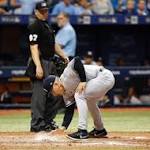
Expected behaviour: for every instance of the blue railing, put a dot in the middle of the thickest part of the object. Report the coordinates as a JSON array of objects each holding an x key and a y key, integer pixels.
[
  {"x": 122, "y": 75},
  {"x": 81, "y": 20},
  {"x": 7, "y": 72}
]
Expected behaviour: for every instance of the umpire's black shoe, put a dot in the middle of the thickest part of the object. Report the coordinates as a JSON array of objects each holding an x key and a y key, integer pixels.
[
  {"x": 34, "y": 130},
  {"x": 98, "y": 133},
  {"x": 37, "y": 130},
  {"x": 80, "y": 134},
  {"x": 51, "y": 126},
  {"x": 48, "y": 128}
]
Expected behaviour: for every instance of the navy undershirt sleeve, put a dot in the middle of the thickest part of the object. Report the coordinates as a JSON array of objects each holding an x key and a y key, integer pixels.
[
  {"x": 79, "y": 68},
  {"x": 69, "y": 112}
]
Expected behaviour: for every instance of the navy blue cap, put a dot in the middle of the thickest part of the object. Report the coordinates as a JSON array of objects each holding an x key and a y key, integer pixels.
[
  {"x": 48, "y": 83},
  {"x": 89, "y": 54},
  {"x": 41, "y": 5}
]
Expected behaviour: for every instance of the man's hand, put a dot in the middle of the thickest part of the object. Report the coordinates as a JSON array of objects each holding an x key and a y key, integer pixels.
[
  {"x": 59, "y": 131},
  {"x": 39, "y": 72},
  {"x": 36, "y": 59},
  {"x": 61, "y": 53},
  {"x": 81, "y": 87},
  {"x": 66, "y": 60}
]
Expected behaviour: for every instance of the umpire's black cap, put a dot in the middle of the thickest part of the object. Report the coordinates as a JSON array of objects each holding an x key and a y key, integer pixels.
[
  {"x": 48, "y": 83},
  {"x": 41, "y": 5}
]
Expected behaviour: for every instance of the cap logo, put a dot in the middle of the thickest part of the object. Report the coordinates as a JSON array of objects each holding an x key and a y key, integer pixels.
[
  {"x": 45, "y": 90},
  {"x": 43, "y": 4},
  {"x": 89, "y": 53}
]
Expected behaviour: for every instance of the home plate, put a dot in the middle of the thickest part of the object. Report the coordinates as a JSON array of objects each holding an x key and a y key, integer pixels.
[{"x": 45, "y": 137}]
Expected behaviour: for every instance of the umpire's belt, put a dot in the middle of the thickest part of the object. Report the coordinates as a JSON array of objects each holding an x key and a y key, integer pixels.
[{"x": 49, "y": 59}]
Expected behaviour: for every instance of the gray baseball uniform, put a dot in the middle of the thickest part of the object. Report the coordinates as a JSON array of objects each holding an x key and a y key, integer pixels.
[{"x": 99, "y": 82}]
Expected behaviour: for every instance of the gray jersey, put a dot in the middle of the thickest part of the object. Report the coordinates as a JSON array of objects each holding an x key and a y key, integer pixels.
[
  {"x": 99, "y": 82},
  {"x": 70, "y": 80}
]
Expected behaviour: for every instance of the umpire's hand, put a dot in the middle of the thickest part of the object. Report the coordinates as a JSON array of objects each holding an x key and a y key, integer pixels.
[
  {"x": 66, "y": 60},
  {"x": 39, "y": 72}
]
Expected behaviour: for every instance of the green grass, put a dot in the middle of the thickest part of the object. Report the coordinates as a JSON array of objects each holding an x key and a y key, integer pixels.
[{"x": 123, "y": 121}]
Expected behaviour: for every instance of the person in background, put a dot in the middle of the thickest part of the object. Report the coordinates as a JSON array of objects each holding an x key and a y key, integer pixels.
[
  {"x": 146, "y": 62},
  {"x": 88, "y": 59},
  {"x": 63, "y": 6},
  {"x": 51, "y": 4},
  {"x": 5, "y": 6},
  {"x": 2, "y": 11},
  {"x": 66, "y": 36},
  {"x": 114, "y": 3},
  {"x": 6, "y": 96},
  {"x": 83, "y": 7},
  {"x": 120, "y": 62},
  {"x": 102, "y": 7},
  {"x": 121, "y": 6},
  {"x": 148, "y": 6},
  {"x": 26, "y": 6},
  {"x": 130, "y": 8},
  {"x": 3, "y": 2},
  {"x": 142, "y": 10},
  {"x": 99, "y": 61}
]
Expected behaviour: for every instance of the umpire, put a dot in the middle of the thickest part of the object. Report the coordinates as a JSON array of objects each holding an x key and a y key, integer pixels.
[{"x": 43, "y": 48}]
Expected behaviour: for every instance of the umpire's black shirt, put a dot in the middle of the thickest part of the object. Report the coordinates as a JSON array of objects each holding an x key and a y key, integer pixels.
[{"x": 42, "y": 34}]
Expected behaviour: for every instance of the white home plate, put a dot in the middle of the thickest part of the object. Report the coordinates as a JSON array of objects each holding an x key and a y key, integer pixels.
[{"x": 45, "y": 137}]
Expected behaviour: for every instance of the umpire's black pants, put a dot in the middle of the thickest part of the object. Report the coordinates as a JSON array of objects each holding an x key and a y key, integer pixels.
[{"x": 42, "y": 106}]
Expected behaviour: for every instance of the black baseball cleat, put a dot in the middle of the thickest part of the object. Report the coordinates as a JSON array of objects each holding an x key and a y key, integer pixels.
[
  {"x": 98, "y": 133},
  {"x": 80, "y": 134}
]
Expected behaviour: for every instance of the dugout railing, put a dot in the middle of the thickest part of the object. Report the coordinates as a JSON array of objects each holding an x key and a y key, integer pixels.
[{"x": 13, "y": 81}]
